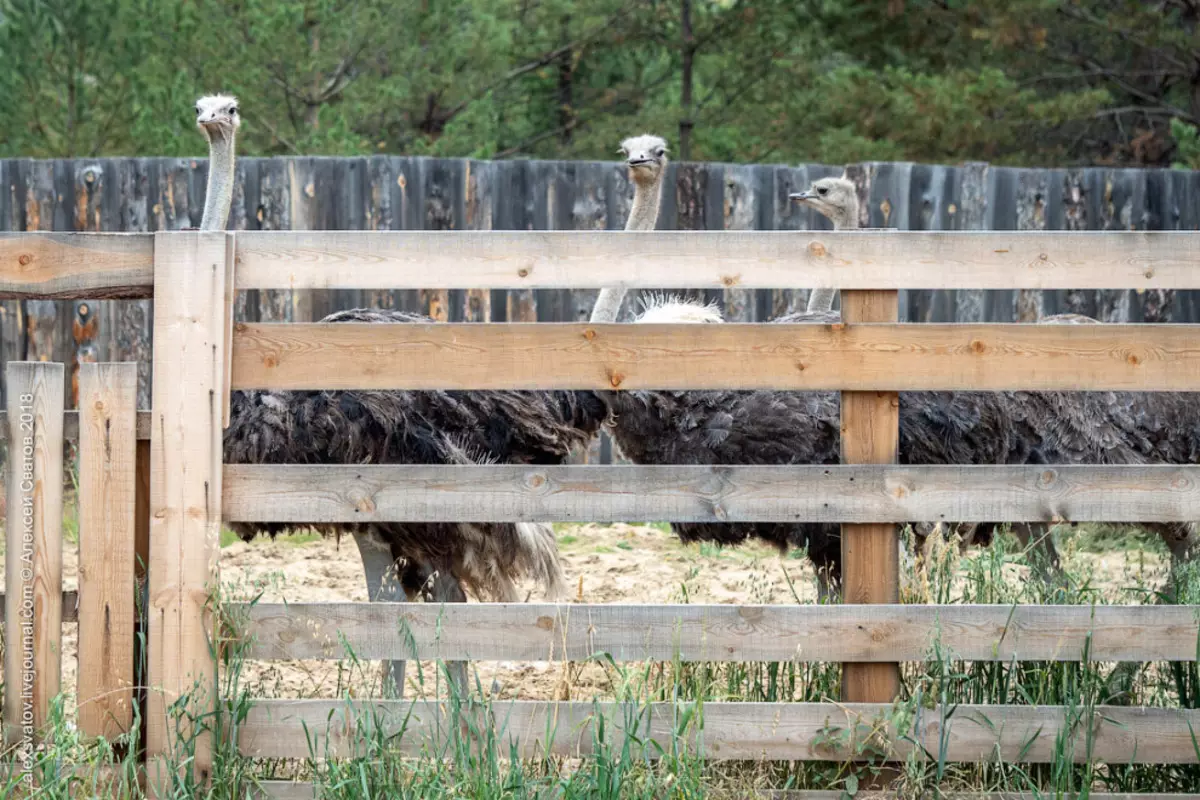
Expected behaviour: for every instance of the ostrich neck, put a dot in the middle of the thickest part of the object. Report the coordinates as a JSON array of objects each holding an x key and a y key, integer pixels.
[
  {"x": 821, "y": 300},
  {"x": 643, "y": 216},
  {"x": 219, "y": 196}
]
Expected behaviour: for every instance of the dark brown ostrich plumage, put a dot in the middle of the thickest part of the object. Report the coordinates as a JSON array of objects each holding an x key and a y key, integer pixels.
[{"x": 434, "y": 427}]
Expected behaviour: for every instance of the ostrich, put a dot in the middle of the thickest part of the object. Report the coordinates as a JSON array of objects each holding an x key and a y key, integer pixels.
[
  {"x": 715, "y": 427},
  {"x": 778, "y": 427},
  {"x": 1038, "y": 427},
  {"x": 217, "y": 118},
  {"x": 401, "y": 561}
]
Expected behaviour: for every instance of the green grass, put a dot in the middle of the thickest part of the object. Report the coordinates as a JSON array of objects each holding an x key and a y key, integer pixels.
[{"x": 469, "y": 761}]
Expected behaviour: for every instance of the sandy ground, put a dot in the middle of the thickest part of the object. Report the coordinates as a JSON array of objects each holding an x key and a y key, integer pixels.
[{"x": 604, "y": 564}]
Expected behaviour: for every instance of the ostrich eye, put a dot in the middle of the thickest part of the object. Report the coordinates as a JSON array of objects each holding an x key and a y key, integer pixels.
[
  {"x": 658, "y": 152},
  {"x": 233, "y": 111},
  {"x": 823, "y": 191},
  {"x": 197, "y": 111}
]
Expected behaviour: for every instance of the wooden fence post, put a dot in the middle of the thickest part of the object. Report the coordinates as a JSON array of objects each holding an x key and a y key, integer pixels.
[
  {"x": 185, "y": 497},
  {"x": 870, "y": 556},
  {"x": 33, "y": 556},
  {"x": 107, "y": 486}
]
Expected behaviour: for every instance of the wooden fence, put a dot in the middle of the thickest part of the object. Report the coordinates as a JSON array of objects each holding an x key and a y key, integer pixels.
[
  {"x": 201, "y": 354},
  {"x": 399, "y": 193}
]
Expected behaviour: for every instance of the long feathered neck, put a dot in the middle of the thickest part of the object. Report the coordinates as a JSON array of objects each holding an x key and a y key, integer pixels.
[
  {"x": 219, "y": 196},
  {"x": 643, "y": 216},
  {"x": 821, "y": 300}
]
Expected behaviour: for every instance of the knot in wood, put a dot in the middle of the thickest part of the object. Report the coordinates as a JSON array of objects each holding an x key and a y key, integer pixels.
[
  {"x": 615, "y": 379},
  {"x": 99, "y": 406},
  {"x": 523, "y": 272},
  {"x": 589, "y": 334},
  {"x": 24, "y": 259},
  {"x": 800, "y": 365},
  {"x": 1043, "y": 257},
  {"x": 89, "y": 176},
  {"x": 270, "y": 361},
  {"x": 1149, "y": 273},
  {"x": 731, "y": 280},
  {"x": 1134, "y": 359},
  {"x": 977, "y": 346},
  {"x": 1047, "y": 478},
  {"x": 545, "y": 623},
  {"x": 83, "y": 309},
  {"x": 536, "y": 480},
  {"x": 816, "y": 249},
  {"x": 400, "y": 181},
  {"x": 751, "y": 613},
  {"x": 364, "y": 505}
]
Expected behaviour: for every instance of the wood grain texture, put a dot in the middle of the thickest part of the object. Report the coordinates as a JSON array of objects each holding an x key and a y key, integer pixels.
[
  {"x": 185, "y": 489},
  {"x": 870, "y": 553},
  {"x": 718, "y": 259},
  {"x": 867, "y": 357},
  {"x": 824, "y": 633},
  {"x": 691, "y": 493},
  {"x": 71, "y": 425},
  {"x": 70, "y": 605},
  {"x": 737, "y": 731},
  {"x": 75, "y": 266},
  {"x": 33, "y": 552},
  {"x": 107, "y": 490}
]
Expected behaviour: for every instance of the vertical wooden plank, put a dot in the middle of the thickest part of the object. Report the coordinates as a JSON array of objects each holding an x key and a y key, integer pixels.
[
  {"x": 788, "y": 216},
  {"x": 740, "y": 209},
  {"x": 107, "y": 490},
  {"x": 33, "y": 552},
  {"x": 185, "y": 490},
  {"x": 302, "y": 193},
  {"x": 1031, "y": 195},
  {"x": 273, "y": 214},
  {"x": 870, "y": 553},
  {"x": 478, "y": 206},
  {"x": 887, "y": 203},
  {"x": 87, "y": 327},
  {"x": 999, "y": 305},
  {"x": 133, "y": 319},
  {"x": 552, "y": 212},
  {"x": 407, "y": 204},
  {"x": 1156, "y": 303},
  {"x": 46, "y": 330},
  {"x": 515, "y": 214},
  {"x": 12, "y": 316},
  {"x": 381, "y": 208},
  {"x": 972, "y": 213}
]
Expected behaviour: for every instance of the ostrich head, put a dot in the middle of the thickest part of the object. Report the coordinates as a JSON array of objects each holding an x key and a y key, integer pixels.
[
  {"x": 646, "y": 156},
  {"x": 834, "y": 198},
  {"x": 217, "y": 117}
]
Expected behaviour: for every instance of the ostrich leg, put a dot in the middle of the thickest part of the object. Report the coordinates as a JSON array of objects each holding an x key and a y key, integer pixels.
[
  {"x": 1038, "y": 544},
  {"x": 445, "y": 588},
  {"x": 383, "y": 586}
]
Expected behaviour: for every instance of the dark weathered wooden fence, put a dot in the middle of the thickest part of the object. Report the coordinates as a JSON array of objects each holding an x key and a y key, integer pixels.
[{"x": 393, "y": 193}]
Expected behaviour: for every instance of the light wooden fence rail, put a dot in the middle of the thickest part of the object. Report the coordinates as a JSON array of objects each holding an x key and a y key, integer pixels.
[{"x": 200, "y": 356}]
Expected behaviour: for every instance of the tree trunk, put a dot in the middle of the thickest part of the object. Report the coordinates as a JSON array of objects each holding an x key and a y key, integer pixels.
[{"x": 688, "y": 50}]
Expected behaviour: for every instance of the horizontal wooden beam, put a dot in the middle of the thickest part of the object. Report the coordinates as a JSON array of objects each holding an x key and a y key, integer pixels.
[
  {"x": 76, "y": 266},
  {"x": 875, "y": 357},
  {"x": 70, "y": 604},
  {"x": 303, "y": 790},
  {"x": 71, "y": 425},
  {"x": 630, "y": 493},
  {"x": 823, "y": 633},
  {"x": 736, "y": 731},
  {"x": 877, "y": 259}
]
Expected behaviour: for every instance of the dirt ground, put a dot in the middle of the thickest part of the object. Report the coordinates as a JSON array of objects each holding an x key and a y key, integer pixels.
[{"x": 604, "y": 564}]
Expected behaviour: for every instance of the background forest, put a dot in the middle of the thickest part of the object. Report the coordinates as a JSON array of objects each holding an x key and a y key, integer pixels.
[{"x": 1018, "y": 82}]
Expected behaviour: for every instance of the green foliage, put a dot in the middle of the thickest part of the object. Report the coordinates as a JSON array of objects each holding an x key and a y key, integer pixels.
[{"x": 1010, "y": 81}]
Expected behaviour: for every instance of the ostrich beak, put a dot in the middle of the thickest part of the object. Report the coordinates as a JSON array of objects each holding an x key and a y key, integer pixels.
[{"x": 801, "y": 196}]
